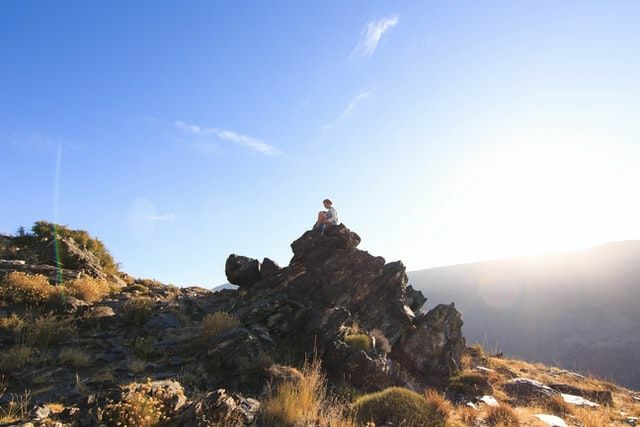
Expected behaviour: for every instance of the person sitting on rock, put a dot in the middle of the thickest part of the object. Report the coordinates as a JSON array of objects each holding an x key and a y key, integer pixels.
[{"x": 328, "y": 218}]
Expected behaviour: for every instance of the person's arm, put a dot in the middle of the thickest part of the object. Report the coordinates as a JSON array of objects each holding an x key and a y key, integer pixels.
[{"x": 334, "y": 214}]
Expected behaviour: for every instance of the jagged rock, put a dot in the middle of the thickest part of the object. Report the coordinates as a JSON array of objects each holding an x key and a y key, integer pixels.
[
  {"x": 433, "y": 347},
  {"x": 603, "y": 397},
  {"x": 218, "y": 408},
  {"x": 525, "y": 389},
  {"x": 72, "y": 305},
  {"x": 329, "y": 284},
  {"x": 241, "y": 270},
  {"x": 269, "y": 268},
  {"x": 415, "y": 299}
]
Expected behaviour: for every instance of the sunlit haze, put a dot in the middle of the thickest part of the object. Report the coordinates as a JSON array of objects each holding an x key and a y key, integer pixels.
[{"x": 444, "y": 132}]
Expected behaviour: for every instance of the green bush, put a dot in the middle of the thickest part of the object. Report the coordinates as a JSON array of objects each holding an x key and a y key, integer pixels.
[
  {"x": 137, "y": 311},
  {"x": 399, "y": 406},
  {"x": 470, "y": 383},
  {"x": 358, "y": 341},
  {"x": 43, "y": 230}
]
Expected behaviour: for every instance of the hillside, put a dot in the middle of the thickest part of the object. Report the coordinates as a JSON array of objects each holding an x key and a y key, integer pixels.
[
  {"x": 577, "y": 310},
  {"x": 336, "y": 338}
]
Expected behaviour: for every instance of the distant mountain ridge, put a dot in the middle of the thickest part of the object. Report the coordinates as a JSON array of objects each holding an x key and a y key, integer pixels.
[{"x": 579, "y": 309}]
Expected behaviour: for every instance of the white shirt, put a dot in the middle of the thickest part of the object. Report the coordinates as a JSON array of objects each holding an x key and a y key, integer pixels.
[{"x": 332, "y": 216}]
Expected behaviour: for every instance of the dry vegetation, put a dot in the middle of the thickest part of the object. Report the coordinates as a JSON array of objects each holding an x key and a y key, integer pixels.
[{"x": 217, "y": 323}]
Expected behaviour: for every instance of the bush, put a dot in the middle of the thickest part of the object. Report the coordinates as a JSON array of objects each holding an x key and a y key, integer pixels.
[
  {"x": 144, "y": 348},
  {"x": 470, "y": 384},
  {"x": 13, "y": 325},
  {"x": 358, "y": 341},
  {"x": 217, "y": 323},
  {"x": 381, "y": 341},
  {"x": 399, "y": 406},
  {"x": 18, "y": 287},
  {"x": 138, "y": 408},
  {"x": 15, "y": 358},
  {"x": 43, "y": 230},
  {"x": 49, "y": 330},
  {"x": 501, "y": 415},
  {"x": 438, "y": 402},
  {"x": 136, "y": 312},
  {"x": 88, "y": 288},
  {"x": 137, "y": 366},
  {"x": 74, "y": 357},
  {"x": 302, "y": 401}
]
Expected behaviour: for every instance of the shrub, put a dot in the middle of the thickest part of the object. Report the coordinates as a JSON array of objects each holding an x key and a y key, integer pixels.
[
  {"x": 399, "y": 406},
  {"x": 18, "y": 287},
  {"x": 136, "y": 312},
  {"x": 381, "y": 342},
  {"x": 470, "y": 383},
  {"x": 358, "y": 341},
  {"x": 137, "y": 366},
  {"x": 15, "y": 358},
  {"x": 138, "y": 408},
  {"x": 217, "y": 323},
  {"x": 49, "y": 330},
  {"x": 74, "y": 357},
  {"x": 144, "y": 348},
  {"x": 43, "y": 230},
  {"x": 88, "y": 288},
  {"x": 13, "y": 325},
  {"x": 302, "y": 400},
  {"x": 438, "y": 402},
  {"x": 501, "y": 415}
]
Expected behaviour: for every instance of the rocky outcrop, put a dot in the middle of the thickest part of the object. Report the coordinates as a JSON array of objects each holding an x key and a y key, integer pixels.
[
  {"x": 330, "y": 286},
  {"x": 218, "y": 408}
]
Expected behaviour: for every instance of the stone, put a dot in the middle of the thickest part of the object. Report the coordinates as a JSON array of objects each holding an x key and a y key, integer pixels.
[
  {"x": 603, "y": 397},
  {"x": 241, "y": 270},
  {"x": 525, "y": 389},
  {"x": 218, "y": 408},
  {"x": 269, "y": 268},
  {"x": 161, "y": 322}
]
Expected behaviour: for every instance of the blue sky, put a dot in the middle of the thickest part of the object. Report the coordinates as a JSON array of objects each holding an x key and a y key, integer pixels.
[{"x": 445, "y": 132}]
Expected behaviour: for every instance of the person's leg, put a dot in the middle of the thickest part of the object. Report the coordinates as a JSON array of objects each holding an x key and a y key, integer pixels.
[{"x": 322, "y": 217}]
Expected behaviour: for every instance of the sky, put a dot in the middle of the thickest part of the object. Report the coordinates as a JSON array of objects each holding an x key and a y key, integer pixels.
[{"x": 444, "y": 132}]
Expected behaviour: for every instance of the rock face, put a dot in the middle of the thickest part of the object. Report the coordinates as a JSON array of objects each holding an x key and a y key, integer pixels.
[
  {"x": 330, "y": 286},
  {"x": 241, "y": 270}
]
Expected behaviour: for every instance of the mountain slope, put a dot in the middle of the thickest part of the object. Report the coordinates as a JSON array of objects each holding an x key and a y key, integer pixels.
[{"x": 578, "y": 310}]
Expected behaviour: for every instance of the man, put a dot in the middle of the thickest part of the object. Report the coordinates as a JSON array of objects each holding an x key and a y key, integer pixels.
[{"x": 328, "y": 218}]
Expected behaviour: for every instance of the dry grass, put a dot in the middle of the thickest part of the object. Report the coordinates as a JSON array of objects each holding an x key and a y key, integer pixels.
[
  {"x": 23, "y": 288},
  {"x": 88, "y": 288},
  {"x": 358, "y": 341},
  {"x": 557, "y": 406},
  {"x": 49, "y": 330},
  {"x": 15, "y": 358},
  {"x": 137, "y": 366},
  {"x": 74, "y": 357},
  {"x": 136, "y": 312},
  {"x": 501, "y": 415},
  {"x": 470, "y": 383},
  {"x": 439, "y": 402},
  {"x": 16, "y": 409},
  {"x": 138, "y": 408},
  {"x": 381, "y": 342},
  {"x": 303, "y": 402},
  {"x": 217, "y": 323}
]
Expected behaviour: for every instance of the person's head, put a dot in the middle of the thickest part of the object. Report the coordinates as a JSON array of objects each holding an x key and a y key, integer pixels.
[{"x": 327, "y": 203}]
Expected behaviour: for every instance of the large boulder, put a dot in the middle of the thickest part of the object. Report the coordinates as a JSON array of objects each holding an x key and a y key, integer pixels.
[
  {"x": 328, "y": 287},
  {"x": 241, "y": 270},
  {"x": 432, "y": 348}
]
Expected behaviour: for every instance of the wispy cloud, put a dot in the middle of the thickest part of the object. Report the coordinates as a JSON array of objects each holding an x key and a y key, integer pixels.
[
  {"x": 166, "y": 217},
  {"x": 350, "y": 109},
  {"x": 371, "y": 36},
  {"x": 39, "y": 142},
  {"x": 207, "y": 139}
]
